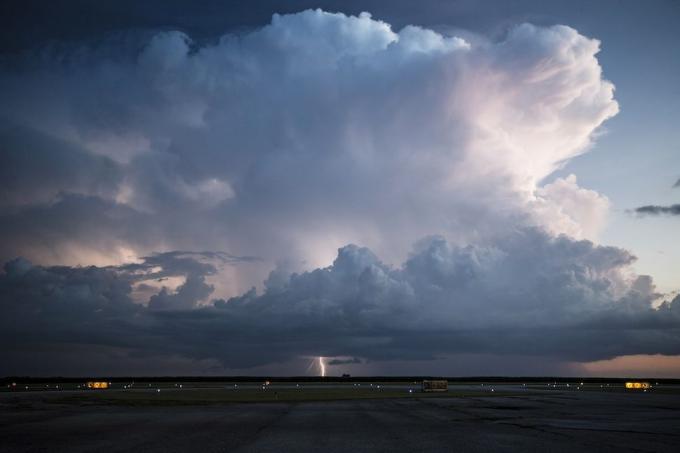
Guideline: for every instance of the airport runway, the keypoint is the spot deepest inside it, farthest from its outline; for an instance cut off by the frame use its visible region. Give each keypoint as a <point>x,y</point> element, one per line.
<point>538,422</point>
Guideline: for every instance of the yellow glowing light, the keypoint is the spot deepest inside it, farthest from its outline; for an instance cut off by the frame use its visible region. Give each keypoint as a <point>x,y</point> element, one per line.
<point>637,385</point>
<point>440,385</point>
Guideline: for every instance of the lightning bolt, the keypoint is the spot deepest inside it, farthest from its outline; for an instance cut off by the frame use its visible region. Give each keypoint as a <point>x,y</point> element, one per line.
<point>322,367</point>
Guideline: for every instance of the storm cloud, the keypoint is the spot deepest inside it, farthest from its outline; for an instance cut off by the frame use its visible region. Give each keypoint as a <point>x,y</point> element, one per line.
<point>285,145</point>
<point>528,294</point>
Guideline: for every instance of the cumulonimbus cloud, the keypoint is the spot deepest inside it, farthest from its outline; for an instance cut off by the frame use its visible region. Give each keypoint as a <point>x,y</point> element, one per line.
<point>312,132</point>
<point>289,142</point>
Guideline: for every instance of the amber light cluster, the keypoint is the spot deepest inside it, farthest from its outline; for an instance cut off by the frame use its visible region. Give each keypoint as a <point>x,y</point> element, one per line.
<point>637,385</point>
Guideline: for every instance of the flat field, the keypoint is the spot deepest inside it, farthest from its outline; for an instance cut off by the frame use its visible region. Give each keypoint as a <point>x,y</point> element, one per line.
<point>247,417</point>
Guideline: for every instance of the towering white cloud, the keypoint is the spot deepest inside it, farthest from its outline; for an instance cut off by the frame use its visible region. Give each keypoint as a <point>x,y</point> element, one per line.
<point>321,129</point>
<point>292,141</point>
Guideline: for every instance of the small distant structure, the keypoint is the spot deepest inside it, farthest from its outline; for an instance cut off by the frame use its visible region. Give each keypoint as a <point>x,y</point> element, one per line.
<point>637,385</point>
<point>99,385</point>
<point>439,385</point>
<point>345,375</point>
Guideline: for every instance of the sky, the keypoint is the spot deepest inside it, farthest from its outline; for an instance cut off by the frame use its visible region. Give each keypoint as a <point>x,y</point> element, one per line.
<point>453,188</point>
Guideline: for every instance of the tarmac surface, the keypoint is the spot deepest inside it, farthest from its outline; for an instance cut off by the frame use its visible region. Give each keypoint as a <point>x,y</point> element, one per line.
<point>538,420</point>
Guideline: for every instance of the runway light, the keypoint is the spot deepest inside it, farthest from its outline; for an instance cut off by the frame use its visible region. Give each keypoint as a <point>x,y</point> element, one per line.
<point>637,385</point>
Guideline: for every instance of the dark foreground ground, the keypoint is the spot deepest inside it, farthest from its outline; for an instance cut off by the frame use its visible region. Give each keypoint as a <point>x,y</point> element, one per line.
<point>468,419</point>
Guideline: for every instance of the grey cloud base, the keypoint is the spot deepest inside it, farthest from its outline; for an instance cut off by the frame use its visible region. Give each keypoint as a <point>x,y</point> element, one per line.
<point>527,294</point>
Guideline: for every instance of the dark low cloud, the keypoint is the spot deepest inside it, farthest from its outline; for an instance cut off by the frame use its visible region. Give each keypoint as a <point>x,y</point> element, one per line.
<point>35,167</point>
<point>677,183</point>
<point>527,294</point>
<point>658,210</point>
<point>350,361</point>
<point>61,228</point>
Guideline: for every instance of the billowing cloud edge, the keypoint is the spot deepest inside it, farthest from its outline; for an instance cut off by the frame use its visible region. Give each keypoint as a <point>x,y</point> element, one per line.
<point>528,294</point>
